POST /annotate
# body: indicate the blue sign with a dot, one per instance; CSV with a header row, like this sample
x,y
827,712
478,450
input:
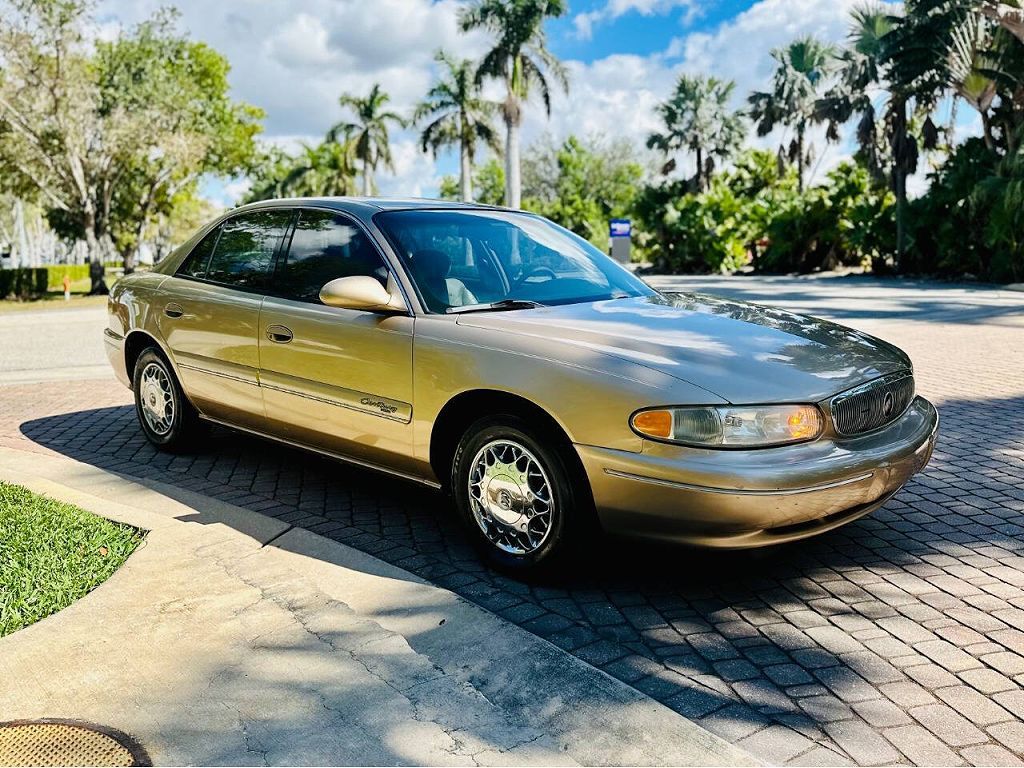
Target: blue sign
x,y
620,228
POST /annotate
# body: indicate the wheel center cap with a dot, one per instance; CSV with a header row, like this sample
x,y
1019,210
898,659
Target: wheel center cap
x,y
505,500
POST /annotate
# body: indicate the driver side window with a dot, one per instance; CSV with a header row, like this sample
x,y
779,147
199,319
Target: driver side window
x,y
324,247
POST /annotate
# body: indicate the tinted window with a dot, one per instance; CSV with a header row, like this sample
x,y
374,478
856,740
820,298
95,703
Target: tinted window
x,y
324,247
195,264
245,252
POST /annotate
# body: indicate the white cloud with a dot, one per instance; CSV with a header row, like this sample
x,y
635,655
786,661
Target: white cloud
x,y
616,96
613,9
294,64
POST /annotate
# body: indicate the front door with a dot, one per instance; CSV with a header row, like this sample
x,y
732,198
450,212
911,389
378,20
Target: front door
x,y
335,379
209,315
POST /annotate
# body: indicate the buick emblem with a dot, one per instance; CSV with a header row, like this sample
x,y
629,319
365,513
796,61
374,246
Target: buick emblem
x,y
889,403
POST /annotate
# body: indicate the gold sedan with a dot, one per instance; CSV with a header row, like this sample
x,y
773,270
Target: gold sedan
x,y
492,353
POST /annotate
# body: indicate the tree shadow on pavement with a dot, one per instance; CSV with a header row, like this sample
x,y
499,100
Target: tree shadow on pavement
x,y
785,651
848,298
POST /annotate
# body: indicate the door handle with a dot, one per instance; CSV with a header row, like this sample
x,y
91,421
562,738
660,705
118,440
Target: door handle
x,y
279,334
174,310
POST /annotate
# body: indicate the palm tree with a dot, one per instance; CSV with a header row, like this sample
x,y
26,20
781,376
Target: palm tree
x,y
521,60
326,169
917,73
801,76
368,132
1009,15
460,116
859,79
698,119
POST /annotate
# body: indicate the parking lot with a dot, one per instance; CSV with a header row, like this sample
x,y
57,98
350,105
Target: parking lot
x,y
896,639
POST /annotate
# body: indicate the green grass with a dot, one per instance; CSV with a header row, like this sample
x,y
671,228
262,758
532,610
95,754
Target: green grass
x,y
52,300
51,554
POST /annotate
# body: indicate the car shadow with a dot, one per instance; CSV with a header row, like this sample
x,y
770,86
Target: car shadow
x,y
737,641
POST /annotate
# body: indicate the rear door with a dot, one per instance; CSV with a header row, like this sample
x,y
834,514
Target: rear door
x,y
337,379
210,315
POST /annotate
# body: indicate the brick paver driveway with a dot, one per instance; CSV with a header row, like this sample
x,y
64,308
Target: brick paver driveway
x,y
897,639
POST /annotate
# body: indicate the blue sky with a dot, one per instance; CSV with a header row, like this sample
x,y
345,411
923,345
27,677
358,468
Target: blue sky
x,y
293,59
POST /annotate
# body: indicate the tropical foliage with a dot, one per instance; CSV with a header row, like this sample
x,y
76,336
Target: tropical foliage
x,y
103,143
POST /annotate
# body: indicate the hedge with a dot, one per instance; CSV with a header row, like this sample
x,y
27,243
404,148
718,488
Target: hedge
x,y
23,282
56,272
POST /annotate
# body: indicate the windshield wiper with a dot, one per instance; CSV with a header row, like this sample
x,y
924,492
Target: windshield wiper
x,y
495,306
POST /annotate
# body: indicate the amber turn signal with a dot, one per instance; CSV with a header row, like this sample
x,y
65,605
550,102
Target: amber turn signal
x,y
654,424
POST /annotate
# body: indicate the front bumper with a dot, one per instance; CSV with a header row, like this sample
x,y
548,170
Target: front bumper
x,y
742,498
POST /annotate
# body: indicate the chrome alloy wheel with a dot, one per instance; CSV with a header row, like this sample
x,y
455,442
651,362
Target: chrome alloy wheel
x,y
156,398
511,497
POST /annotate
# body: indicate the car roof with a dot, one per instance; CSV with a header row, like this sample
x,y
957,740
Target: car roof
x,y
368,206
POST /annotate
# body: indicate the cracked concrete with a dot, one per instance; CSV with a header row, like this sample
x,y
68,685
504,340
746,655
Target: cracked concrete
x,y
211,647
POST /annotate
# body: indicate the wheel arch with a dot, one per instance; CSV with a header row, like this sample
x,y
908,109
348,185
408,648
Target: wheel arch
x,y
134,344
467,407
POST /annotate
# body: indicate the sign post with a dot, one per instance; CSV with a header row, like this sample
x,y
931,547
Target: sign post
x,y
620,230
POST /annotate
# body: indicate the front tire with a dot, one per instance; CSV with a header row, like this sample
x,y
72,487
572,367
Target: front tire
x,y
512,486
168,419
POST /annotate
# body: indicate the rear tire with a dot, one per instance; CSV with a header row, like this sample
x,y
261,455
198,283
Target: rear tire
x,y
168,419
513,486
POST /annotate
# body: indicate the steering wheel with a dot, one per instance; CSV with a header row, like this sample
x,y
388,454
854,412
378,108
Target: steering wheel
x,y
540,270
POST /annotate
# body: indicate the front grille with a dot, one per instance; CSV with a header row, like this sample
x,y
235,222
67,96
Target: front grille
x,y
872,405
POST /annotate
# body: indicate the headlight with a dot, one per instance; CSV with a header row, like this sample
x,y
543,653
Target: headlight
x,y
754,426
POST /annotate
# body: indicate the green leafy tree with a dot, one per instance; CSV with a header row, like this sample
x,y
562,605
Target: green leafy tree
x,y
488,181
458,116
697,119
581,184
802,73
106,135
368,131
521,60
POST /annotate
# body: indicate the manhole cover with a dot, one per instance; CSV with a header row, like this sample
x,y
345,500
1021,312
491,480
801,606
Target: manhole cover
x,y
56,742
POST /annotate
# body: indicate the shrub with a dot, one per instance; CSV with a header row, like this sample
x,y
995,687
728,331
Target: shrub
x,y
844,222
56,272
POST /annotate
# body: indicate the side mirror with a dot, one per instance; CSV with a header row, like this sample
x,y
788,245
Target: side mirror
x,y
361,292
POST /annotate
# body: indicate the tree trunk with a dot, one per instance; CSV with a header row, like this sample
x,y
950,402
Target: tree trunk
x,y
899,139
986,129
800,159
513,183
367,180
700,169
97,253
465,173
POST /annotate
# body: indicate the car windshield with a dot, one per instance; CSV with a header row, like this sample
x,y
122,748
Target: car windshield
x,y
461,259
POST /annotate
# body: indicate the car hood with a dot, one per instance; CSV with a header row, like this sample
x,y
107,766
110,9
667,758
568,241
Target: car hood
x,y
744,353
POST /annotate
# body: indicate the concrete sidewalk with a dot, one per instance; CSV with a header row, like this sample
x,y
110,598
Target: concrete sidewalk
x,y
229,638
